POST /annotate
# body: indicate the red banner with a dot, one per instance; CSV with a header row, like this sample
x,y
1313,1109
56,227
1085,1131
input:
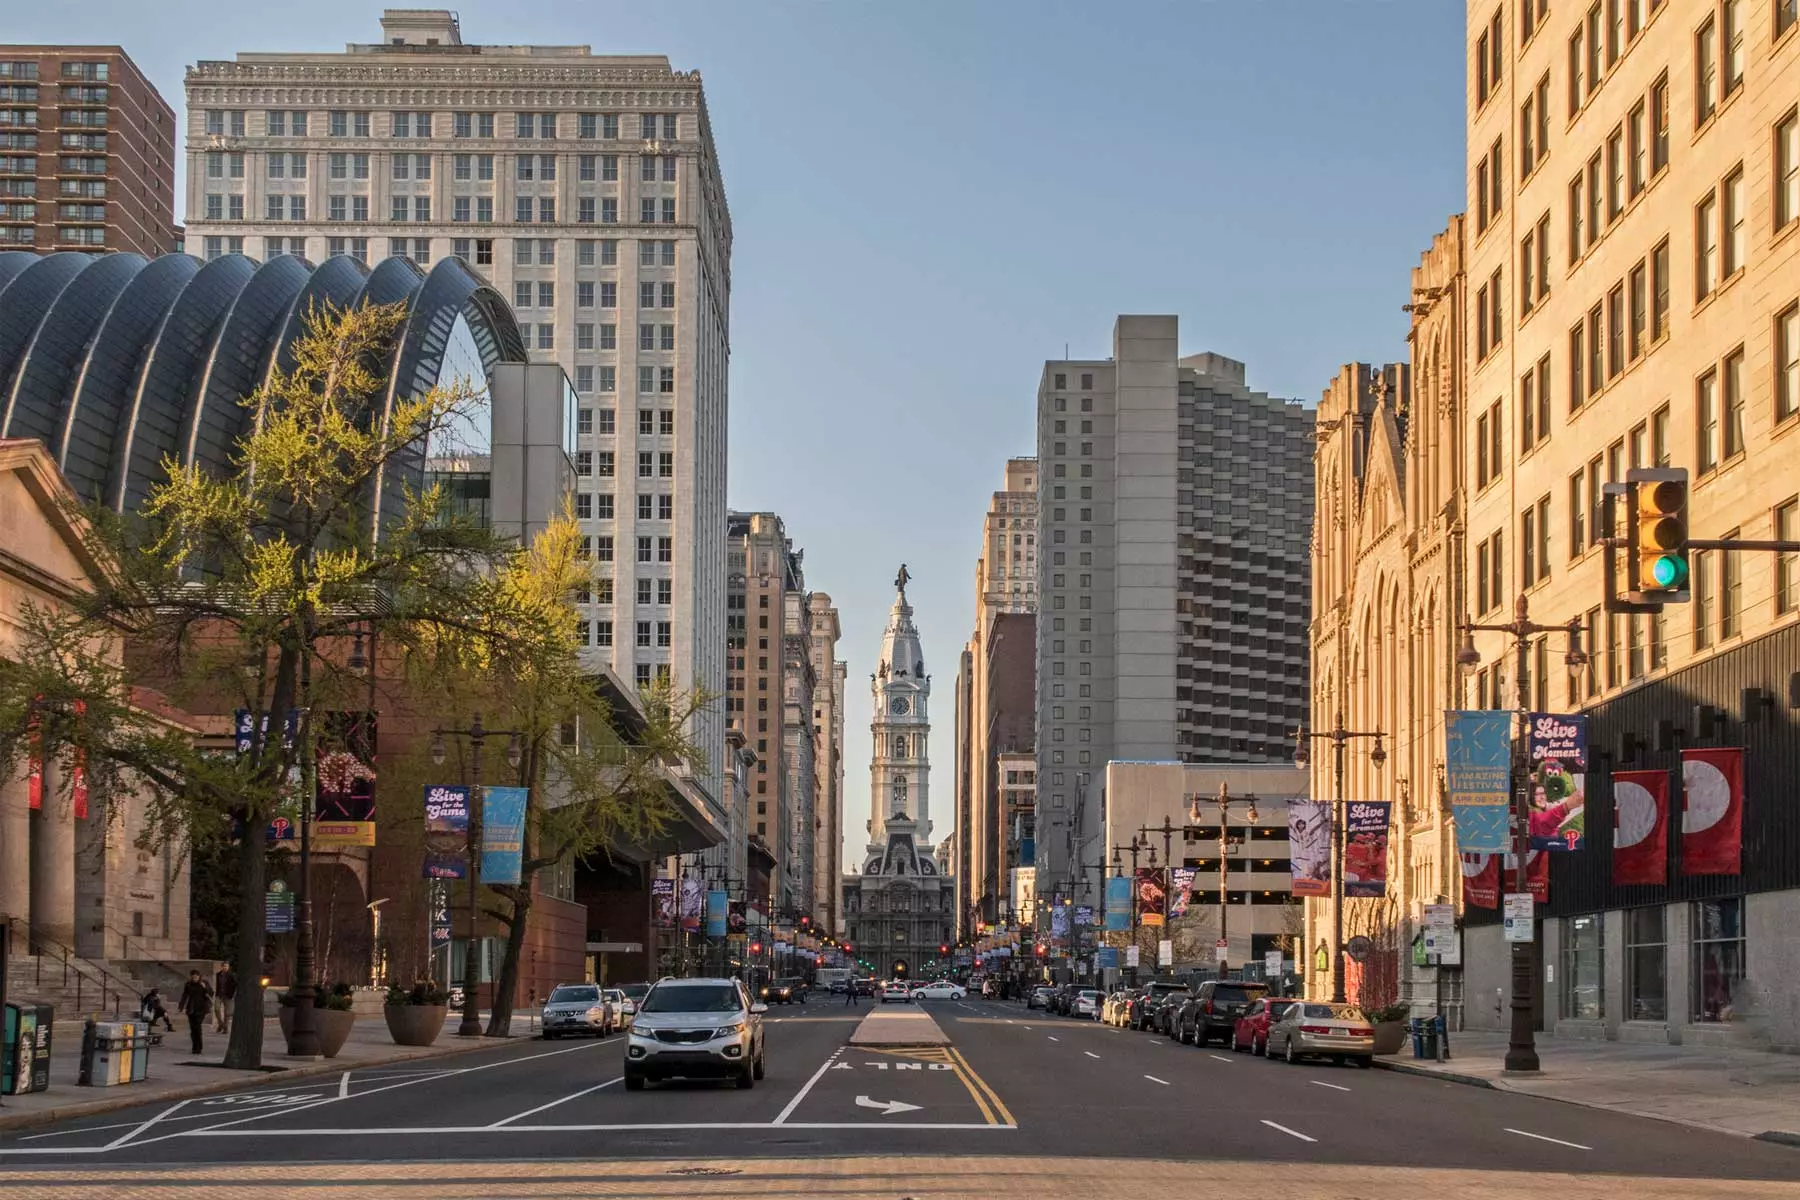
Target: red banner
x,y
34,768
1481,880
1641,827
78,787
1712,816
1537,873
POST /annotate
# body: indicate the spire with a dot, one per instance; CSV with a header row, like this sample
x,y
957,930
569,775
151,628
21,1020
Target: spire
x,y
901,655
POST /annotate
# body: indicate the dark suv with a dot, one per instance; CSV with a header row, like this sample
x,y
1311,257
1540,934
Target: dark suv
x,y
1147,1007
1212,1011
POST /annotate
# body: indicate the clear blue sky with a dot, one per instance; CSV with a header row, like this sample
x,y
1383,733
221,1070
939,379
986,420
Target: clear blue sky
x,y
931,197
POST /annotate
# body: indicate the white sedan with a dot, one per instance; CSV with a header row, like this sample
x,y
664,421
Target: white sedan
x,y
943,989
896,992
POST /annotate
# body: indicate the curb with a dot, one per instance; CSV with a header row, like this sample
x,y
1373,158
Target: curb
x,y
1779,1136
89,1108
1428,1073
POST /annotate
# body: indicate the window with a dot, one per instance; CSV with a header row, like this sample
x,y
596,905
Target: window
x,y
1706,71
1584,992
1595,200
1706,412
1701,589
1787,170
1787,363
1787,12
1615,175
1577,217
1615,332
1577,514
1659,291
1528,546
1731,209
1787,563
1733,433
1646,963
1659,437
1639,299
1659,125
1636,151
1731,12
1731,585
1718,940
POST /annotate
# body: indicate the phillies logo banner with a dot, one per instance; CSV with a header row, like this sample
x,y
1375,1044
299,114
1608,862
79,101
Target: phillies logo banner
x,y
1557,747
1481,880
1181,893
1712,816
1366,848
1537,873
1309,847
1640,827
1477,774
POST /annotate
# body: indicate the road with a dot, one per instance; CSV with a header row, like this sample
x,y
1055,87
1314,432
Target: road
x,y
1015,1095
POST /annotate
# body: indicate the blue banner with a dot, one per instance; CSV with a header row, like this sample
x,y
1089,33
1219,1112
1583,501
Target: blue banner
x,y
446,831
1118,903
1478,773
716,906
1109,957
502,833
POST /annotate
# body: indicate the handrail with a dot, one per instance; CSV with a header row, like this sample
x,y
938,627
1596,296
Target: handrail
x,y
109,987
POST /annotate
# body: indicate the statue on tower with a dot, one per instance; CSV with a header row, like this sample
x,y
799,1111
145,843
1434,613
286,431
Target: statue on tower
x,y
901,579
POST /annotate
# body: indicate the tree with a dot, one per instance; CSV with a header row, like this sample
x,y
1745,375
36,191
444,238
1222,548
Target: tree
x,y
239,590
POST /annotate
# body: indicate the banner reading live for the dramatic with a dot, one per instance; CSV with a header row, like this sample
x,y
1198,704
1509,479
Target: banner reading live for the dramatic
x,y
1150,895
1712,815
1309,847
1557,748
1640,827
1366,848
1477,769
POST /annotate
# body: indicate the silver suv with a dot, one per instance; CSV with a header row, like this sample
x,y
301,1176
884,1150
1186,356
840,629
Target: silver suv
x,y
695,1029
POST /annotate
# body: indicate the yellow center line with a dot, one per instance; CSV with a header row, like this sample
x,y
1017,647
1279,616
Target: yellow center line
x,y
1006,1117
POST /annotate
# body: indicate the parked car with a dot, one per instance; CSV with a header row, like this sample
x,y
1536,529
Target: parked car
x,y
623,1006
1039,997
696,1029
574,1009
896,991
1087,1004
1338,1031
1250,1033
1065,999
1213,1009
940,989
1146,1008
864,987
1112,1009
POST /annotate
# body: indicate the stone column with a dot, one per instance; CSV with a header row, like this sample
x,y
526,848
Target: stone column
x,y
15,857
53,864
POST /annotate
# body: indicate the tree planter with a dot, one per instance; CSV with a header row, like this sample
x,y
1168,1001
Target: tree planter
x,y
1390,1037
415,1024
333,1026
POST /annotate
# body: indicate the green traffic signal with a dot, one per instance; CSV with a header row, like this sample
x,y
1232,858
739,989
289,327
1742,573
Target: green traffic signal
x,y
1669,571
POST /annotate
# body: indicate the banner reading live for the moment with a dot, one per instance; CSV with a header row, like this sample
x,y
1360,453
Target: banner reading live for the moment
x,y
1366,848
1712,817
1477,770
1309,847
1557,748
1640,827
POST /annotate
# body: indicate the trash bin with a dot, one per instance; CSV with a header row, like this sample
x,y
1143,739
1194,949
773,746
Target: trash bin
x,y
26,1048
108,1053
1425,1037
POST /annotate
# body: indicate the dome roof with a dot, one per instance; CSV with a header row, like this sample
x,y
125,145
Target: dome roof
x,y
901,656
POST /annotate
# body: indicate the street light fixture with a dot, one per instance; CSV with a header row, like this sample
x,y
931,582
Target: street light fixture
x,y
1338,736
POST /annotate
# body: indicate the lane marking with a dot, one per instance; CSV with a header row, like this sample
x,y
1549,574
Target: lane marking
x,y
801,1094
1090,1054
532,1112
1333,1086
1290,1132
1053,1038
441,1130
1154,1079
1540,1137
344,1085
167,1112
999,1106
1219,1057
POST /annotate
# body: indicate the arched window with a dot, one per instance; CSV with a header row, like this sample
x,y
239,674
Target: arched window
x,y
900,746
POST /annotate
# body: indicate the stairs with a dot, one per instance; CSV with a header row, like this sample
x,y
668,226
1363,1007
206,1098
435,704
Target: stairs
x,y
74,988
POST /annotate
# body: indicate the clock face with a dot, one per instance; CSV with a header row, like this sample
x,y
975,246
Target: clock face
x,y
898,706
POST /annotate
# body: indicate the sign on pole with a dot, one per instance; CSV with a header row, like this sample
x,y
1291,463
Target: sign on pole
x,y
1441,943
1517,917
1220,949
1131,956
1165,952
1272,963
278,909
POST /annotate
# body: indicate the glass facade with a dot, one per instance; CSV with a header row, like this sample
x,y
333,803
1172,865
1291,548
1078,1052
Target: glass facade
x,y
1646,965
1718,940
1583,955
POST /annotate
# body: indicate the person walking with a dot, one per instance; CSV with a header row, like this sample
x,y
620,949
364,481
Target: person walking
x,y
224,992
850,997
195,1004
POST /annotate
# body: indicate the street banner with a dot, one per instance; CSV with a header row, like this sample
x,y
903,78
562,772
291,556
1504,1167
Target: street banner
x,y
1481,880
1712,814
1537,873
1477,771
1518,922
446,831
1309,846
662,902
1366,848
1640,827
1118,902
34,767
503,833
1557,749
736,919
78,783
440,916
1131,956
692,888
717,905
1084,916
344,800
1150,895
1109,958
1181,891
1059,921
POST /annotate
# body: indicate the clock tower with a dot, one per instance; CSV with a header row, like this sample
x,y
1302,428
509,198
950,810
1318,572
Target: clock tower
x,y
899,771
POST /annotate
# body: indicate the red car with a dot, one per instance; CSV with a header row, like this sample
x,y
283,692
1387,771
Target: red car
x,y
1250,1033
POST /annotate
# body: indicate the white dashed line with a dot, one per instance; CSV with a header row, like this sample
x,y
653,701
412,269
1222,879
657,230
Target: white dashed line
x,y
1290,1132
1090,1054
1054,1039
1154,1079
1220,1057
1333,1086
1540,1137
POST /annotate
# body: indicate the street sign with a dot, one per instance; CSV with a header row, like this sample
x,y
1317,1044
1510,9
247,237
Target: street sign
x,y
1131,956
278,909
1165,953
1517,917
1359,948
1442,945
1272,963
1220,949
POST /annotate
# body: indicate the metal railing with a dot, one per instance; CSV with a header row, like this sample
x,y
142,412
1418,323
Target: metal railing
x,y
107,990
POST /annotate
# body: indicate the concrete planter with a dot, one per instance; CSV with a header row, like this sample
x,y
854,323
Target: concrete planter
x,y
415,1024
1390,1037
333,1026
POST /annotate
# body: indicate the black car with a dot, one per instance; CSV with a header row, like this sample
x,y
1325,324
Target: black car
x,y
1212,1011
864,987
1146,1010
787,991
1065,999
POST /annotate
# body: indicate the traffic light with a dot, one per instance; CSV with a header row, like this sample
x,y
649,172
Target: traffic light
x,y
943,949
1042,950
756,947
1660,527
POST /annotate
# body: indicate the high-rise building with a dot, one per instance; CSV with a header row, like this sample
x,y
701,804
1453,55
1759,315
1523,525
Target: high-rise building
x,y
87,152
586,188
1174,516
995,695
799,750
829,675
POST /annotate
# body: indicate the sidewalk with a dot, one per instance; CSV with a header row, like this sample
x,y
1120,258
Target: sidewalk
x,y
911,1027
369,1046
1752,1093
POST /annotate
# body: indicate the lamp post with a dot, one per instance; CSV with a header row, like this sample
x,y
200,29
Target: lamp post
x,y
1224,800
1339,737
1136,848
1521,1049
477,734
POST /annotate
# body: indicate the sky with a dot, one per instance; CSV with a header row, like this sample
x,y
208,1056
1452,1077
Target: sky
x,y
931,197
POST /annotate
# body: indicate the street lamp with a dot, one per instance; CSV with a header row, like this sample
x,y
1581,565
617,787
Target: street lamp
x,y
477,733
1521,1050
1136,849
1338,736
1225,800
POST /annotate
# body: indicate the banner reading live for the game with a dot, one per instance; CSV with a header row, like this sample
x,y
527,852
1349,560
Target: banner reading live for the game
x,y
1481,880
1366,848
1309,847
1640,827
1557,748
1477,770
1180,891
1712,815
446,831
1148,884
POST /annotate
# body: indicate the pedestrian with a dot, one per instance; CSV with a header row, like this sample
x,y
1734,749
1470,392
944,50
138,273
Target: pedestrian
x,y
850,997
152,1010
196,1003
224,992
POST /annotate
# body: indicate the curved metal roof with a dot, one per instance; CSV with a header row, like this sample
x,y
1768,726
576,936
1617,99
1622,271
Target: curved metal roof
x,y
118,363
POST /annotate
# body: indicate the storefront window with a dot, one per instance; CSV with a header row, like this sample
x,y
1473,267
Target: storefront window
x,y
1646,962
1584,996
1718,956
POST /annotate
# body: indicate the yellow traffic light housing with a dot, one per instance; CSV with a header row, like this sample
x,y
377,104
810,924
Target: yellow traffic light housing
x,y
1658,532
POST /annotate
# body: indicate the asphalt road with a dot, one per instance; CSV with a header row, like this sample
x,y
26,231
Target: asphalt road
x,y
1012,1083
